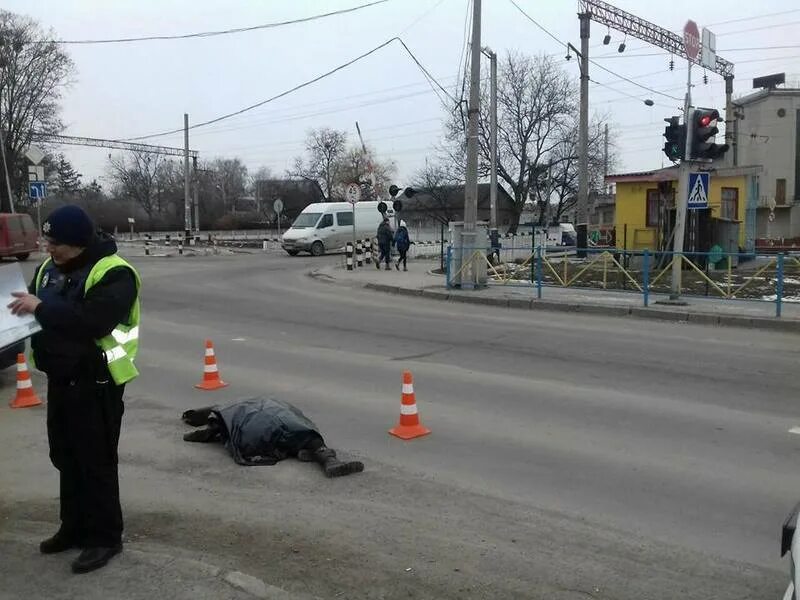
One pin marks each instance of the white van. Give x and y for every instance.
(327, 226)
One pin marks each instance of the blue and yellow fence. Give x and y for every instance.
(729, 276)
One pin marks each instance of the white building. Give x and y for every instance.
(767, 133)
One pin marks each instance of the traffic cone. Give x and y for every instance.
(26, 396)
(211, 380)
(409, 426)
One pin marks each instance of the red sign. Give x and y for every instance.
(691, 39)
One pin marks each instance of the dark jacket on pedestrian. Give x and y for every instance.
(385, 235)
(71, 321)
(401, 240)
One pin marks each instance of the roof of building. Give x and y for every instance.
(763, 93)
(666, 174)
(671, 174)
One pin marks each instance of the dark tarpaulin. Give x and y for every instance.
(262, 431)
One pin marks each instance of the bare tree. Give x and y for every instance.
(136, 175)
(536, 105)
(231, 181)
(33, 74)
(354, 167)
(564, 161)
(325, 148)
(434, 185)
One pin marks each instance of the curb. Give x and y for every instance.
(771, 324)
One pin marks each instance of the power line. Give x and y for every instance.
(644, 87)
(753, 18)
(214, 33)
(298, 87)
(422, 16)
(758, 28)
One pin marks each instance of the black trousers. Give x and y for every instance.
(83, 424)
(403, 258)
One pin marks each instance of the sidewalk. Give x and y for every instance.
(141, 572)
(420, 281)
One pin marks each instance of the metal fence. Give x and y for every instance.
(728, 276)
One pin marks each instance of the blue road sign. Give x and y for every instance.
(698, 191)
(37, 190)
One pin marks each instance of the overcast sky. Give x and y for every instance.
(125, 90)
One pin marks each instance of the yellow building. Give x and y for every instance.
(645, 211)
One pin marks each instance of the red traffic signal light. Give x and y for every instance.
(702, 132)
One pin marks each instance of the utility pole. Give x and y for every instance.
(682, 199)
(469, 236)
(605, 150)
(187, 206)
(493, 146)
(195, 200)
(583, 139)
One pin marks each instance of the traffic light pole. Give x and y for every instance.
(682, 198)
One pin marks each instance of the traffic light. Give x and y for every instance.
(408, 192)
(675, 146)
(704, 128)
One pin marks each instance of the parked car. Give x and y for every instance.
(791, 543)
(18, 236)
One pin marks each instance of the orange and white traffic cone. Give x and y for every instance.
(409, 426)
(211, 380)
(26, 395)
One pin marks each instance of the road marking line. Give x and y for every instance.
(239, 340)
(795, 430)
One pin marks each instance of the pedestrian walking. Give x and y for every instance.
(402, 242)
(86, 299)
(385, 240)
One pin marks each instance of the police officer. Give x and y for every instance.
(86, 299)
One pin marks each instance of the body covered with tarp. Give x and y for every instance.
(262, 431)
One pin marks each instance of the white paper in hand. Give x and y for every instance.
(14, 328)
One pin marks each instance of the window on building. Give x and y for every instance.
(595, 218)
(653, 207)
(730, 204)
(344, 218)
(780, 191)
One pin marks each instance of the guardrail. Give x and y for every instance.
(728, 276)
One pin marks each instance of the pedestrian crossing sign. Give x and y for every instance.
(698, 191)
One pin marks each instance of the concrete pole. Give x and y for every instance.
(682, 199)
(730, 120)
(187, 206)
(196, 198)
(583, 138)
(493, 143)
(5, 170)
(468, 236)
(605, 151)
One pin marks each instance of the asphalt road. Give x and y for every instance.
(643, 459)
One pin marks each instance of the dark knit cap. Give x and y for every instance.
(69, 225)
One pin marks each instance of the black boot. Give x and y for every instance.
(60, 542)
(331, 466)
(94, 558)
(206, 435)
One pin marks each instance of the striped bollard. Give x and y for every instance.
(373, 242)
(368, 251)
(264, 243)
(147, 248)
(167, 241)
(180, 248)
(348, 251)
(359, 254)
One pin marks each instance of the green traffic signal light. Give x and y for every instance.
(675, 133)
